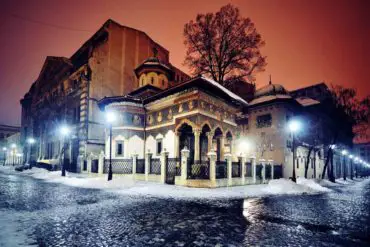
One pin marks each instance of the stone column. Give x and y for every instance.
(80, 163)
(243, 161)
(101, 163)
(210, 135)
(196, 133)
(228, 158)
(184, 163)
(263, 162)
(134, 162)
(212, 165)
(89, 158)
(176, 143)
(222, 147)
(271, 162)
(253, 161)
(164, 157)
(148, 158)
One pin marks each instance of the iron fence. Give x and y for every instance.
(268, 171)
(278, 171)
(140, 166)
(199, 170)
(155, 166)
(259, 169)
(236, 169)
(221, 169)
(172, 170)
(94, 166)
(248, 169)
(119, 166)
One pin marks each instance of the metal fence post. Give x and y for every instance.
(271, 162)
(212, 165)
(148, 158)
(228, 158)
(253, 160)
(134, 162)
(184, 163)
(101, 163)
(164, 157)
(243, 161)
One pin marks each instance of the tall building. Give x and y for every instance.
(67, 90)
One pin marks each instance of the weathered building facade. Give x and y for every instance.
(67, 91)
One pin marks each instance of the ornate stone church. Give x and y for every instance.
(168, 127)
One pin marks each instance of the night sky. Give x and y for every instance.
(306, 41)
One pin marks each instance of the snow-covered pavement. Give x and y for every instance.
(128, 186)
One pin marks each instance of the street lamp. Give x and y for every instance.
(13, 146)
(30, 142)
(110, 118)
(294, 126)
(344, 153)
(4, 150)
(64, 131)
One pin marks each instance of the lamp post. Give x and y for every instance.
(13, 146)
(294, 126)
(30, 142)
(110, 118)
(4, 150)
(344, 153)
(351, 165)
(64, 131)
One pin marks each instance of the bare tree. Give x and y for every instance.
(224, 45)
(345, 111)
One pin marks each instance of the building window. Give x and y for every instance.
(119, 149)
(162, 82)
(264, 121)
(152, 80)
(159, 146)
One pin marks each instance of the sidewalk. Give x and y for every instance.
(127, 186)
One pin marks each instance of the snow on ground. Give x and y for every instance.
(128, 186)
(313, 184)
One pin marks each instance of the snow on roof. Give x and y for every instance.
(270, 89)
(269, 98)
(227, 91)
(306, 101)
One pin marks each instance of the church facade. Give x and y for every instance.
(168, 127)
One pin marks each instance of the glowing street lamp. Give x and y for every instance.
(13, 146)
(110, 117)
(64, 131)
(30, 142)
(344, 153)
(294, 126)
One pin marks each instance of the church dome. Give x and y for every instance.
(271, 90)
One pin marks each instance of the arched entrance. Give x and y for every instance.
(204, 142)
(218, 143)
(186, 139)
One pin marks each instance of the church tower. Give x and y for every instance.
(154, 72)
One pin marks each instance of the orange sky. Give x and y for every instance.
(306, 41)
